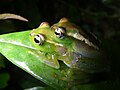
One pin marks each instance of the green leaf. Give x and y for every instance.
(17, 48)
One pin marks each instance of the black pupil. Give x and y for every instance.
(60, 34)
(57, 33)
(37, 40)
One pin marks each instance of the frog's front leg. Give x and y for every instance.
(49, 59)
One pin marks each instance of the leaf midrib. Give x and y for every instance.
(20, 45)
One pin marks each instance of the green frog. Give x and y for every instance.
(63, 41)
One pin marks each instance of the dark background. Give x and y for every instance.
(101, 17)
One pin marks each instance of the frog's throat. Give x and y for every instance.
(57, 44)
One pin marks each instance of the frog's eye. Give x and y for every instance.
(60, 32)
(39, 39)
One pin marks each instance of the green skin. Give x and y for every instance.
(69, 49)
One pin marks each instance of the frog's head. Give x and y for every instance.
(41, 38)
(76, 32)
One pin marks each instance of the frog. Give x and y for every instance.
(76, 32)
(63, 41)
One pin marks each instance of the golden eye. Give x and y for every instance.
(39, 39)
(60, 32)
